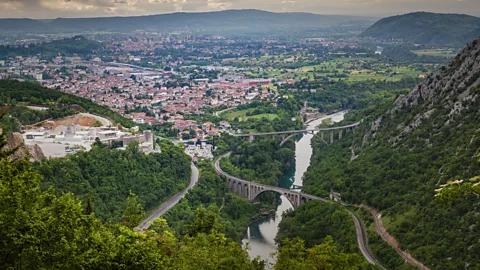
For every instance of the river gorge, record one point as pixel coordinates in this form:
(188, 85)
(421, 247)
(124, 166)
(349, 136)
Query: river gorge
(261, 234)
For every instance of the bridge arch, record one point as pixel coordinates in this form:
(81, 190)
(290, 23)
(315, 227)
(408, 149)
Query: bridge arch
(246, 191)
(303, 200)
(289, 196)
(239, 189)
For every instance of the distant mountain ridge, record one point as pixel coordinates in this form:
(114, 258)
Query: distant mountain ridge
(427, 28)
(229, 20)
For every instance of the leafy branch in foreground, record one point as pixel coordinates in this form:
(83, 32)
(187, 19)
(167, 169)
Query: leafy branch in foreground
(454, 189)
(294, 255)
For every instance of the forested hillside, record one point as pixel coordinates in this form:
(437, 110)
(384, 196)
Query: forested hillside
(262, 160)
(107, 176)
(48, 231)
(18, 94)
(427, 28)
(329, 219)
(406, 149)
(234, 211)
(77, 45)
(343, 95)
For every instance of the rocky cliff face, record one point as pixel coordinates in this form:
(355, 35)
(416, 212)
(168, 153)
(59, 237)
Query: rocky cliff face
(449, 93)
(450, 84)
(421, 141)
(16, 140)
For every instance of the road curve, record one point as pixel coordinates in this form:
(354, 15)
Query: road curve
(359, 228)
(162, 209)
(380, 228)
(362, 240)
(222, 111)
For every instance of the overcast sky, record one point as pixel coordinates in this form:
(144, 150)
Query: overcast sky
(95, 8)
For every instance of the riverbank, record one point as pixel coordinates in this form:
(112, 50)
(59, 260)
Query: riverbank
(316, 117)
(260, 218)
(261, 233)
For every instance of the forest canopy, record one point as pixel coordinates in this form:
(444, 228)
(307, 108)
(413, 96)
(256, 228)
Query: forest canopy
(107, 176)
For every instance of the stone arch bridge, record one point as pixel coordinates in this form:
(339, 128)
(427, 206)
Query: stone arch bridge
(252, 190)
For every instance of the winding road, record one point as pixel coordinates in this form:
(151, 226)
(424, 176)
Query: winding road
(362, 240)
(162, 209)
(380, 228)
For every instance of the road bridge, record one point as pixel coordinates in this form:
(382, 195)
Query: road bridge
(322, 132)
(284, 140)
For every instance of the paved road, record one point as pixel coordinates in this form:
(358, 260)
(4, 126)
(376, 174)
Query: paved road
(222, 111)
(37, 108)
(170, 203)
(297, 131)
(105, 122)
(362, 240)
(391, 240)
(359, 227)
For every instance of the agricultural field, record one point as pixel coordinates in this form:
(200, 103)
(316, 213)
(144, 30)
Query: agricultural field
(436, 52)
(349, 69)
(241, 115)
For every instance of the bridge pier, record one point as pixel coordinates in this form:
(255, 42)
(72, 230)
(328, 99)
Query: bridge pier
(331, 136)
(252, 138)
(340, 133)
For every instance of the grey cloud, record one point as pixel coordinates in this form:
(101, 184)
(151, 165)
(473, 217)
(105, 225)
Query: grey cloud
(89, 8)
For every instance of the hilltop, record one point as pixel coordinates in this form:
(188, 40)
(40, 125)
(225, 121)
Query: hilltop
(17, 94)
(427, 28)
(77, 45)
(221, 22)
(403, 151)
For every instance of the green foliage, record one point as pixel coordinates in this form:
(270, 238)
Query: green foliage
(233, 212)
(43, 231)
(134, 213)
(109, 175)
(315, 220)
(204, 222)
(453, 190)
(4, 143)
(213, 251)
(402, 156)
(59, 104)
(427, 28)
(403, 53)
(77, 45)
(343, 95)
(262, 160)
(294, 255)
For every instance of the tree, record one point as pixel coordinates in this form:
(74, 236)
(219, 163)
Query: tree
(134, 212)
(205, 222)
(294, 255)
(89, 206)
(455, 189)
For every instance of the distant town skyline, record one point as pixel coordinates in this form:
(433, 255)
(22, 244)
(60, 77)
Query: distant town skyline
(49, 9)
